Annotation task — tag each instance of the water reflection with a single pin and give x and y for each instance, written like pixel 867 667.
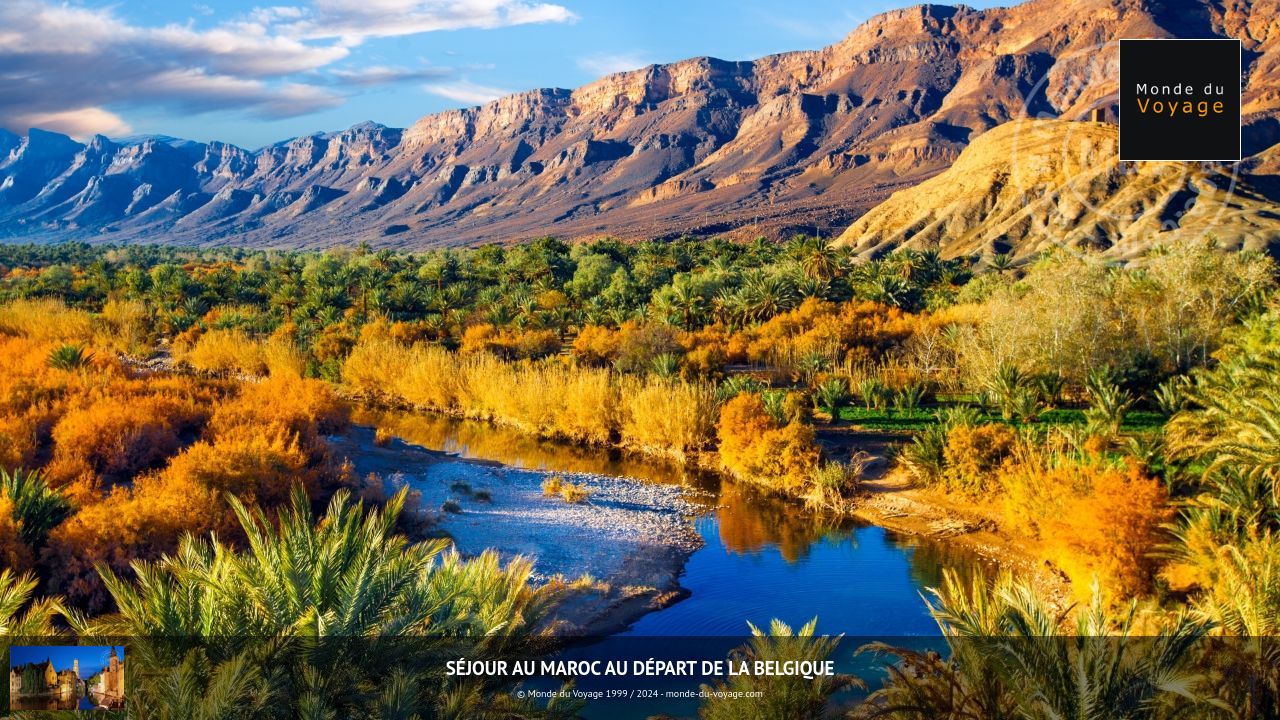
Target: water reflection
pixel 749 521
pixel 482 441
pixel 745 520
pixel 763 558
pixel 51 702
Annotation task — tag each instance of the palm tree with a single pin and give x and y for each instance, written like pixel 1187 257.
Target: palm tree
pixel 1009 390
pixel 1236 421
pixel 766 295
pixel 36 506
pixel 69 357
pixel 830 395
pixel 325 610
pixel 780 696
pixel 1243 602
pixel 1108 402
pixel 20 616
pixel 1001 262
pixel 1010 658
pixel 819 259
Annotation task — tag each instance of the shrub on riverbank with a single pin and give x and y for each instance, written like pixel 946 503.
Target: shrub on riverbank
pixel 548 399
pixel 232 351
pixel 147 458
pixel 756 447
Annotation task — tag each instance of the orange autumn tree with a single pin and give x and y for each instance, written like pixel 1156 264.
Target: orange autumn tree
pixel 755 447
pixel 1094 519
pixel 258 444
pixel 1112 532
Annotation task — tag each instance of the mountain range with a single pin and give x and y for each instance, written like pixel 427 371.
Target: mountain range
pixel 805 141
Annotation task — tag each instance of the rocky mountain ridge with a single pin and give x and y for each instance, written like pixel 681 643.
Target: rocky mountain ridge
pixel 801 141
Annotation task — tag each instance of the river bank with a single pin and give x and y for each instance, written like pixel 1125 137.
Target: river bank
pixel 619 553
pixel 886 497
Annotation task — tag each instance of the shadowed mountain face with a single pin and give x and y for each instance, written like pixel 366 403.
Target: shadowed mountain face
pixel 801 141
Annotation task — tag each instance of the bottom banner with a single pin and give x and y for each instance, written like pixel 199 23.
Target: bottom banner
pixel 776 673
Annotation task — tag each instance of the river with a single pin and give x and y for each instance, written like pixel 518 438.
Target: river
pixel 761 558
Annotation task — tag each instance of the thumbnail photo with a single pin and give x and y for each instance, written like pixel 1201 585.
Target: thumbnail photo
pixel 66 680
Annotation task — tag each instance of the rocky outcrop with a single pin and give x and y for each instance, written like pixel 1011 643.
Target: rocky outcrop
pixel 1029 186
pixel 800 141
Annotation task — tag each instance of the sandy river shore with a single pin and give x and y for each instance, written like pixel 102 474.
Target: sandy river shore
pixel 631 537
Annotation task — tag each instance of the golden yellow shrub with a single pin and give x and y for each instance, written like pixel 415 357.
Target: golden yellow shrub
pixel 706 351
pixel 481 337
pixel 258 467
pixel 595 345
pixel 283 406
pixel 753 447
pixel 1038 492
pixel 509 343
pixel 224 351
pixel 282 357
pixel 129 524
pixel 545 398
pixel 974 452
pixel 14 553
pixel 667 418
pixel 1111 532
pixel 19 437
pixel 114 438
pixel 45 320
pixel 589 405
pixel 124 326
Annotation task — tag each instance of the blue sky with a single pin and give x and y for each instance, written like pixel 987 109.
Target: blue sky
pixel 92 657
pixel 252 72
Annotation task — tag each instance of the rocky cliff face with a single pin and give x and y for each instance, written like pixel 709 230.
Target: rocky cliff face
pixel 797 141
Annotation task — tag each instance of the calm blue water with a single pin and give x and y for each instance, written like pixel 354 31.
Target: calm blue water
pixel 763 559
pixel 862 582
pixel 857 582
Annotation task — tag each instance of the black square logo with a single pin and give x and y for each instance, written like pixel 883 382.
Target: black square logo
pixel 1180 100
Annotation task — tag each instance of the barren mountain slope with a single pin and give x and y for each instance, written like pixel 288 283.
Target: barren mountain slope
pixel 1032 184
pixel 797 141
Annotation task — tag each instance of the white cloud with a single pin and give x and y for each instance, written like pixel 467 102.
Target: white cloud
pixel 609 63
pixel 355 20
pixel 80 123
pixel 385 75
pixel 78 66
pixel 465 91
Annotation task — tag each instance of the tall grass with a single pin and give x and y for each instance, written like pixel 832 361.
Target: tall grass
pixel 232 351
pixel 48 320
pixel 547 398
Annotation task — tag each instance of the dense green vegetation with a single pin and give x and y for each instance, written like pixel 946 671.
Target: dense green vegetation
pixel 1118 423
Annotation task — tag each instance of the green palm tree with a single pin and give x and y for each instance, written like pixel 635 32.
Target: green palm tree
pixel 69 357
pixel 781 697
pixel 830 395
pixel 20 615
pixel 1244 604
pixel 1108 402
pixel 819 260
pixel 766 295
pixel 1235 423
pixel 37 507
pixel 325 610
pixel 1005 387
pixel 1001 263
pixel 1011 657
